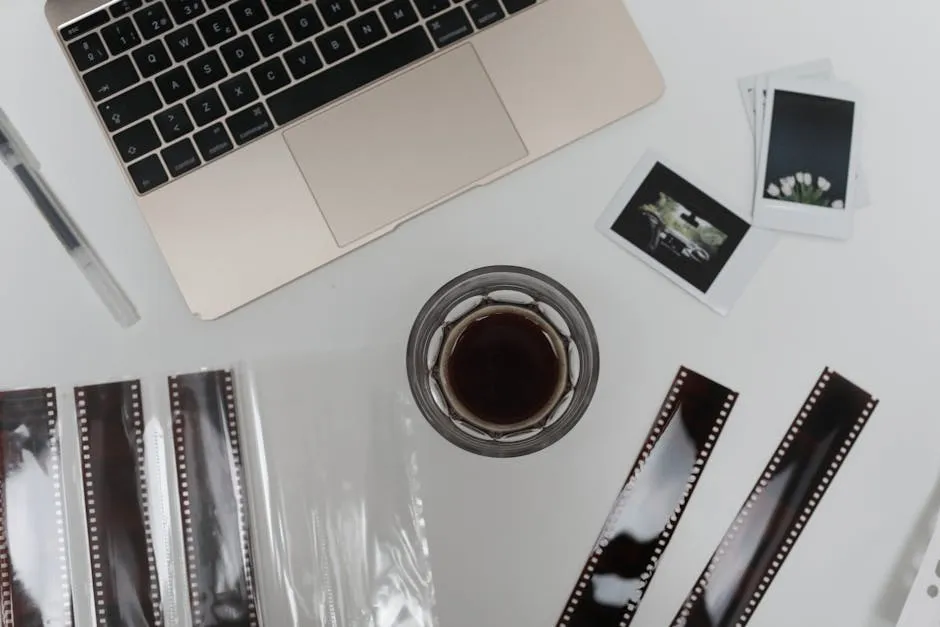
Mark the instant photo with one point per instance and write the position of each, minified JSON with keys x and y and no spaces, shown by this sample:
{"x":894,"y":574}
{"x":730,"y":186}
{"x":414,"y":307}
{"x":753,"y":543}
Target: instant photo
{"x":780,"y":506}
{"x":111,"y":432}
{"x":820,"y":70}
{"x":677,"y":228}
{"x":637,"y":532}
{"x":212,"y":500}
{"x":34,"y":582}
{"x":808,"y":158}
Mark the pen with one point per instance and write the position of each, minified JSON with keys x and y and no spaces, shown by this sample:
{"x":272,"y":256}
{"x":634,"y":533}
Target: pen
{"x":24,"y":166}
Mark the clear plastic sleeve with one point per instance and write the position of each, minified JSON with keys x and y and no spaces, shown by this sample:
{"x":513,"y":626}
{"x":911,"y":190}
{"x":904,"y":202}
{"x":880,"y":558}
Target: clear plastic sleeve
{"x":333,"y":483}
{"x":281,"y":493}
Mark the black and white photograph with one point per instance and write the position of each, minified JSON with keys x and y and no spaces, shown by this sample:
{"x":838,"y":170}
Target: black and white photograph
{"x":32,"y":511}
{"x":810,"y":148}
{"x":808,"y":158}
{"x":681,"y":230}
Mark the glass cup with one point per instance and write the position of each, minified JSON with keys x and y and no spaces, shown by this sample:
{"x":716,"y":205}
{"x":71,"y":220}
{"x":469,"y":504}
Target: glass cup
{"x":497,"y":303}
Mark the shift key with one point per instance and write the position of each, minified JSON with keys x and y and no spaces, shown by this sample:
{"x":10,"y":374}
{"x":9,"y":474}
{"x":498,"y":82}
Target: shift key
{"x":249,"y":124}
{"x":130,"y":106}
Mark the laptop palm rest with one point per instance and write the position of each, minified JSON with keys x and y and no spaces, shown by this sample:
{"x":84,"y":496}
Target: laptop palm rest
{"x":405,"y":144}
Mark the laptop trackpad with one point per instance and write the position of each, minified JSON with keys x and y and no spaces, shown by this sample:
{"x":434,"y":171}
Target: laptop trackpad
{"x":405,"y":144}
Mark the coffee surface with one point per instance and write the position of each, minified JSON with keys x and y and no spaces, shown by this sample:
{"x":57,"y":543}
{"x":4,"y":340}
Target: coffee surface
{"x":504,"y":368}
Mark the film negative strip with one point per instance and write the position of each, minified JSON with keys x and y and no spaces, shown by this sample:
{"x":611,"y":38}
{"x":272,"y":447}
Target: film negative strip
{"x":775,"y":513}
{"x":212,"y":500}
{"x":124,"y":575}
{"x":34,"y":580}
{"x":640,"y":526}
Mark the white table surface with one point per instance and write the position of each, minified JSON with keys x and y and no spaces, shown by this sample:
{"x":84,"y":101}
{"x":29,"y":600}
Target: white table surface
{"x":509,"y":537}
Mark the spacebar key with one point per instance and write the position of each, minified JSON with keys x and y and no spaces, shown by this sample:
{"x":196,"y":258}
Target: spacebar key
{"x":346,"y":77}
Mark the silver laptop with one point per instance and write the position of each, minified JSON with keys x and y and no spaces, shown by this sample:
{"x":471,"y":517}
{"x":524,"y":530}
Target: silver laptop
{"x":266,"y":138}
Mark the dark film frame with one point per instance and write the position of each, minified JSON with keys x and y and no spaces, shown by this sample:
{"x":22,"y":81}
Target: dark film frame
{"x":808,"y":458}
{"x":117,"y":512}
{"x":205,"y":427}
{"x":700,"y":408}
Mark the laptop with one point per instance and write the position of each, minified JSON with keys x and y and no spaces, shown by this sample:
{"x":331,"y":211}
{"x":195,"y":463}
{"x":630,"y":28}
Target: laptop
{"x":266,"y":138}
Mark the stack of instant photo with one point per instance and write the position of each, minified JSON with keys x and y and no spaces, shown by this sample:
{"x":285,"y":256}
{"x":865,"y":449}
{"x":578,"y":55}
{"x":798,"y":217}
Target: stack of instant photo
{"x":806,"y":140}
{"x":808,"y":181}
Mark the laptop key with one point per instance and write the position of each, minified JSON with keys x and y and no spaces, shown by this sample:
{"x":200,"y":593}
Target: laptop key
{"x":216,"y":27}
{"x":485,"y":12}
{"x":365,"y":5}
{"x":132,"y":105}
{"x":398,"y":15}
{"x":450,"y":27}
{"x":88,"y":52}
{"x":303,"y":60}
{"x":135,"y":142}
{"x":271,"y":38}
{"x":109,"y":79}
{"x":276,"y":7}
{"x":120,"y":36}
{"x":173,"y":123}
{"x":152,"y":58}
{"x":175,"y":85}
{"x":184,"y":43}
{"x":239,"y":53}
{"x":335,"y":11}
{"x":215,"y":4}
{"x":84,"y":25}
{"x":517,"y":5}
{"x":248,"y":14}
{"x":213,"y":142}
{"x":304,"y":22}
{"x":153,"y":20}
{"x":428,"y":8}
{"x":180,"y":158}
{"x":335,"y":44}
{"x":249,"y":124}
{"x":367,"y":30}
{"x":207,"y":69}
{"x":125,"y":6}
{"x":238,"y":92}
{"x":270,"y":76}
{"x":148,"y":174}
{"x":337,"y":81}
{"x":206,"y":107}
{"x":185,"y":10}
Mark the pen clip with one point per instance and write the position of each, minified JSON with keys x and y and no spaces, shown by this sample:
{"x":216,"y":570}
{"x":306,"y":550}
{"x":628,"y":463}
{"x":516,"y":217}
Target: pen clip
{"x":15,"y":144}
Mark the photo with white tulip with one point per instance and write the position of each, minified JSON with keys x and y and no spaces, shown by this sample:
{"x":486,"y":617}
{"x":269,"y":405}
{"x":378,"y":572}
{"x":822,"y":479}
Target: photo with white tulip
{"x":806,"y":189}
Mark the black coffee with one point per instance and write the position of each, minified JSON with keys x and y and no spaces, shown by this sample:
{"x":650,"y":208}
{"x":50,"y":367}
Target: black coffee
{"x":504,"y":368}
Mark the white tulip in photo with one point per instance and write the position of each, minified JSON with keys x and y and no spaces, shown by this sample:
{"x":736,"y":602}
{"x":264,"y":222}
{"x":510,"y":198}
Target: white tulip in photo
{"x":824,"y":185}
{"x":773,"y":190}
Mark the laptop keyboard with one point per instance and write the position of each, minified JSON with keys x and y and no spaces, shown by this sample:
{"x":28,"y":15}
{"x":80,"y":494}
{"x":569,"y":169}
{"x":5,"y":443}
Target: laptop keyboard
{"x":180,"y":83}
